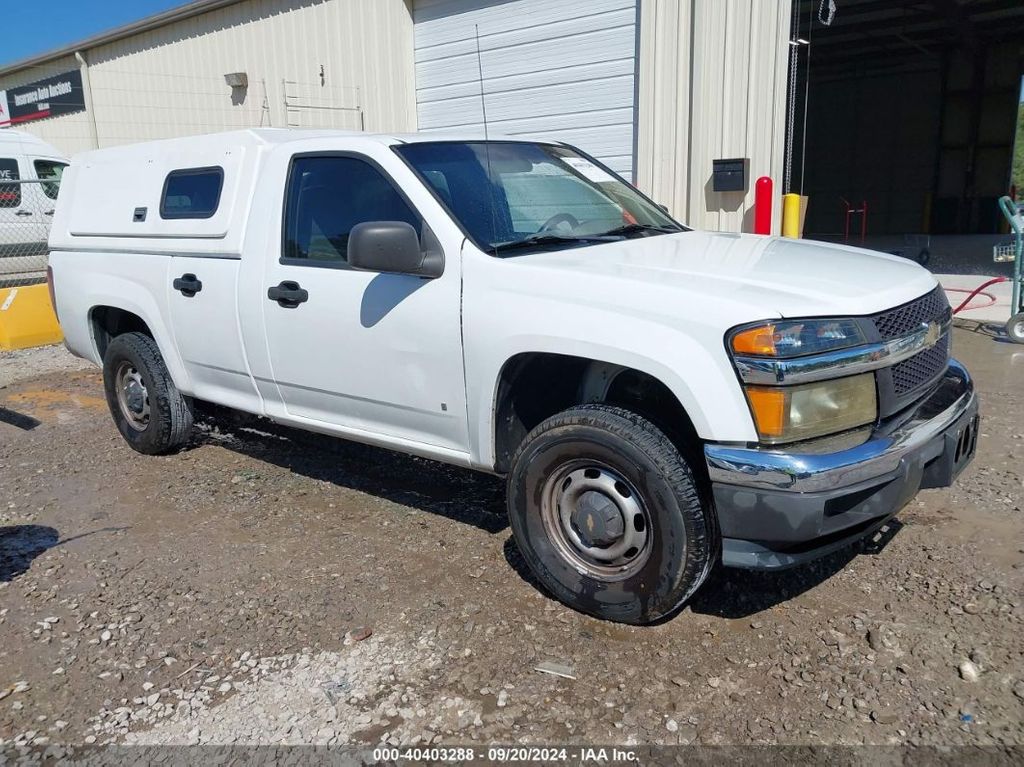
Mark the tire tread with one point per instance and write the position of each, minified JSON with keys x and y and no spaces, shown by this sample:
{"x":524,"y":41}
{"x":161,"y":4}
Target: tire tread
{"x":170,"y":412}
{"x":649,"y":439}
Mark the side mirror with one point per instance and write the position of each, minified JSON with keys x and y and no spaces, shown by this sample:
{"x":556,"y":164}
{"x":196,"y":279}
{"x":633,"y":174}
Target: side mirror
{"x":392,"y":247}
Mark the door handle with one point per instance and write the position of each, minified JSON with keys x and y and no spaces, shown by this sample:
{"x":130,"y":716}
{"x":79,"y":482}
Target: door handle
{"x":49,"y":212}
{"x":23,"y":213}
{"x":188,"y":284}
{"x":288,"y":294}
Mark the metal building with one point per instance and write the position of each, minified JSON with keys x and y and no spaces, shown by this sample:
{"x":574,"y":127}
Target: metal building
{"x":657,"y":89}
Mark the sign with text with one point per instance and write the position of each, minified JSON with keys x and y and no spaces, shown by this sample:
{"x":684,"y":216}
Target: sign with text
{"x":58,"y":95}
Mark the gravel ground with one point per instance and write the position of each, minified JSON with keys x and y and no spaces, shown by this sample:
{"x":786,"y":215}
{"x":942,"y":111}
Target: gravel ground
{"x":260,"y":588}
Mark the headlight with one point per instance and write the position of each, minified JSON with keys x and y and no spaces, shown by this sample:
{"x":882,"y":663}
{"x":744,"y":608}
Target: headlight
{"x":795,"y":338}
{"x":792,"y":413}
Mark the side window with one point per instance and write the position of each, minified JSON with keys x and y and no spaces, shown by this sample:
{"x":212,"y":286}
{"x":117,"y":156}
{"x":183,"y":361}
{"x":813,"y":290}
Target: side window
{"x":326,"y":197}
{"x":10,"y":194}
{"x":50,"y":171}
{"x":191,"y":193}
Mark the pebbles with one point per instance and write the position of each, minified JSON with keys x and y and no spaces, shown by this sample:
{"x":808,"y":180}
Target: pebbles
{"x":358,"y":634}
{"x":884,"y":716}
{"x":969,"y":671}
{"x":238,"y":606}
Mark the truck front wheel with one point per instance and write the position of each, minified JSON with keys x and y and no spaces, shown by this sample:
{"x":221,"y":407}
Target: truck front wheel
{"x":606,"y":513}
{"x":149,"y":411}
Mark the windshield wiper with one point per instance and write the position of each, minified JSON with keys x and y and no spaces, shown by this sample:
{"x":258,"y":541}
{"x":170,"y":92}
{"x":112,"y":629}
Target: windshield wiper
{"x":548,"y":239}
{"x":627,"y":229}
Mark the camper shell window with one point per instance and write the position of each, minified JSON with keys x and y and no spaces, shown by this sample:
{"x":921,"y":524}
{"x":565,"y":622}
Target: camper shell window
{"x":192,"y":193}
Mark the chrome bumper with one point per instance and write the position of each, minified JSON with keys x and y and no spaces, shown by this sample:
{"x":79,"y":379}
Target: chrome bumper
{"x":881,"y":455}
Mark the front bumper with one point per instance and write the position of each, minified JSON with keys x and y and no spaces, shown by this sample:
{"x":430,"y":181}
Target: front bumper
{"x":777,"y":509}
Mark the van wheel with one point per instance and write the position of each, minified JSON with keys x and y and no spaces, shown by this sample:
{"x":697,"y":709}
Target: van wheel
{"x":150,"y":412}
{"x":606,"y":513}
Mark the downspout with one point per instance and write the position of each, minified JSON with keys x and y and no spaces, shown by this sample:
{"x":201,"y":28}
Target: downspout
{"x":87,"y":93}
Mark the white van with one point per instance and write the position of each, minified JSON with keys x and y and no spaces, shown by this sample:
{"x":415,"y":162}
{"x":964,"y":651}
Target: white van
{"x":26,"y":209}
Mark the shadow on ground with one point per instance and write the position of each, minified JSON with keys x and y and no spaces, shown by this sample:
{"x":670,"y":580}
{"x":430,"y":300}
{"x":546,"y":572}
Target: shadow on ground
{"x":18,"y":420}
{"x":734,"y":594}
{"x":20,"y":544}
{"x":478,"y":499}
{"x":465,"y":496}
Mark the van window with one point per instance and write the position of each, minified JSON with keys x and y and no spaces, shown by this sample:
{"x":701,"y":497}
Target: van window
{"x":327,"y":196}
{"x":10,"y":194}
{"x":192,"y":193}
{"x":47,"y":170}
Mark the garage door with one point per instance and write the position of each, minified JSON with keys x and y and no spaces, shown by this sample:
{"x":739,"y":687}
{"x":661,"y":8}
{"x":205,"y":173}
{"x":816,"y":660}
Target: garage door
{"x":561,"y":70}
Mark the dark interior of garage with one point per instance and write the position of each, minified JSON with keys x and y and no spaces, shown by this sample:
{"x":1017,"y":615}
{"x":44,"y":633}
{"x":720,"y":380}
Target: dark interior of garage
{"x":906,"y":109}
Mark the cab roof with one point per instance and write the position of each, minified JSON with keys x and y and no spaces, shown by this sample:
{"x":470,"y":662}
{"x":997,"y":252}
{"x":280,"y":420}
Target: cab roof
{"x":269,"y":137}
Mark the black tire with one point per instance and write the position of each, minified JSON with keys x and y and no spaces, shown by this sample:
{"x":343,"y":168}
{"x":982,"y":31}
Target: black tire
{"x":166,"y":423}
{"x":1015,"y":328}
{"x":681,"y":538}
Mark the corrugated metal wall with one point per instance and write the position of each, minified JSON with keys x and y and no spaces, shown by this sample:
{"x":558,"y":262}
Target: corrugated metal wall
{"x":562,"y":70}
{"x":713,"y":79}
{"x":170,"y":81}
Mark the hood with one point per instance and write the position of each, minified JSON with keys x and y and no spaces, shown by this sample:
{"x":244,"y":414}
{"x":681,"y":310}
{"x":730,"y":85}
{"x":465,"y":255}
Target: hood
{"x":766,"y":276}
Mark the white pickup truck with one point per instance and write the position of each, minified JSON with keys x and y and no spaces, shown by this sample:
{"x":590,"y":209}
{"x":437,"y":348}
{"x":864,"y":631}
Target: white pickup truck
{"x":659,"y":399}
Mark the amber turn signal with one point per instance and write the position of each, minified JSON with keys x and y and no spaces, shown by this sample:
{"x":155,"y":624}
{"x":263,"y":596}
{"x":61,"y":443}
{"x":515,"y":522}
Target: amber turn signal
{"x":759,"y":340}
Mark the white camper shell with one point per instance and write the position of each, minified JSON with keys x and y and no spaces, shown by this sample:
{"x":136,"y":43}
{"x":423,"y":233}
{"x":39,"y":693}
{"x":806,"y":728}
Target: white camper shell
{"x":144,"y":185}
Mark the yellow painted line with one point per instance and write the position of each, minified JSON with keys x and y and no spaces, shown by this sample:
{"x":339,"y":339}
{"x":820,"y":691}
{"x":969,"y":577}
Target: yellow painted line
{"x":27,"y":318}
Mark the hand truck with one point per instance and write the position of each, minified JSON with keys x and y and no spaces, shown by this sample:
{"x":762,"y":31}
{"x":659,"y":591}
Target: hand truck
{"x":1013,"y":252}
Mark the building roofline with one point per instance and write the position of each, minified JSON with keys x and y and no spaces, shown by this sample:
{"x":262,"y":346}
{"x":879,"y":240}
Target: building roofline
{"x":186,"y":11}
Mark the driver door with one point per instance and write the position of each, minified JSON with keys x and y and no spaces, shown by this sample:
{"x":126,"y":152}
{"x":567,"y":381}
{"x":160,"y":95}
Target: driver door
{"x":371,"y":353}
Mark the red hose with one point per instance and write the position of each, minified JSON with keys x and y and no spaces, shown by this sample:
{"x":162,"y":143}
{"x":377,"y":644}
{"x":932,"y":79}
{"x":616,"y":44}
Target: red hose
{"x":975,"y":292}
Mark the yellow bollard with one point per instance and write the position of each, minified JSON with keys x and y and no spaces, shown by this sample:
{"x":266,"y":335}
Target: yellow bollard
{"x":27,"y":318}
{"x":791,"y":215}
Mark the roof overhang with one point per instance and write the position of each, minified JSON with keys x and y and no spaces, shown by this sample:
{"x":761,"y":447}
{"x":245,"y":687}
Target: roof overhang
{"x":186,"y":11}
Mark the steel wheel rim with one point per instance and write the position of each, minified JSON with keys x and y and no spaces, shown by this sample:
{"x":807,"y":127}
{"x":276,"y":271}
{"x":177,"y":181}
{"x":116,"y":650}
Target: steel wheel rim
{"x":1017,"y":328}
{"x":596,"y":520}
{"x":132,"y":396}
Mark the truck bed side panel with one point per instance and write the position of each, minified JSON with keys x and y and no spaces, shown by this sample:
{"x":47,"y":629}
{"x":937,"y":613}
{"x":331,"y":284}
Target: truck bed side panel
{"x":207,"y":334}
{"x":133,"y":282}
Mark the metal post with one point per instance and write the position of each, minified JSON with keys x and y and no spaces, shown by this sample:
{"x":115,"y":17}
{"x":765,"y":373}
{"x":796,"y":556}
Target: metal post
{"x":791,"y":215}
{"x":763,"y":206}
{"x":87,"y":97}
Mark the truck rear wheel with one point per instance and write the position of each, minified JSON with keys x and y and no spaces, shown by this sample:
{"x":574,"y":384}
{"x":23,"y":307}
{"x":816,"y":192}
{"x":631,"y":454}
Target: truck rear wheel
{"x":606,"y":513}
{"x":149,"y":411}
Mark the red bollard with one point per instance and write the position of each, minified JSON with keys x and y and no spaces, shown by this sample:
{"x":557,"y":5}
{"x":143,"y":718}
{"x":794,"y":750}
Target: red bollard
{"x":763,"y":206}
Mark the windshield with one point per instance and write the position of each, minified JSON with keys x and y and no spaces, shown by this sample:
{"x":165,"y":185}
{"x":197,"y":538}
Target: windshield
{"x":511,"y":196}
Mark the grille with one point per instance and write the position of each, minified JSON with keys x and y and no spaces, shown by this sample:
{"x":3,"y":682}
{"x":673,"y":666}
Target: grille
{"x":921,"y":368}
{"x":897,"y":322}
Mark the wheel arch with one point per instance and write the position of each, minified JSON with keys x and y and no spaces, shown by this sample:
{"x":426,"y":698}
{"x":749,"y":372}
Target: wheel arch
{"x":533,"y":386}
{"x":107,"y":321}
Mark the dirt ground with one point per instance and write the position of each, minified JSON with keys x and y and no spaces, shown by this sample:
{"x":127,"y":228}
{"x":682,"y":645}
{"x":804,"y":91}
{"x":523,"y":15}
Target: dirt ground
{"x":256,"y":588}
